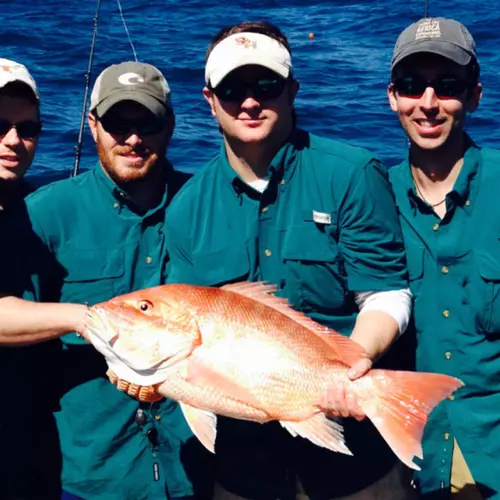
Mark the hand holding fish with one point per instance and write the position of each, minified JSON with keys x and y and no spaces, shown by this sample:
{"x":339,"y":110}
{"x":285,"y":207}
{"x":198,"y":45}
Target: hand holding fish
{"x":340,"y":400}
{"x":241,"y":352}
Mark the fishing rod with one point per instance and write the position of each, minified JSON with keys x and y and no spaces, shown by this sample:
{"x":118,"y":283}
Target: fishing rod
{"x":78,"y":147}
{"x":426,"y":13}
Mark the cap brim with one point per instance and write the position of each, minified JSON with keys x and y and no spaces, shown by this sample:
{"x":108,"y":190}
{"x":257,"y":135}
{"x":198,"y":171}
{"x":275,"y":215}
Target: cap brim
{"x":156,"y":107}
{"x":253,"y":58}
{"x":445,"y":49}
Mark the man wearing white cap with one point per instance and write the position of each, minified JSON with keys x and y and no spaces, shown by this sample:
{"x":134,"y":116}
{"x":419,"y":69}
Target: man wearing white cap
{"x":20,"y":127}
{"x":317,"y":219}
{"x":86,"y":240}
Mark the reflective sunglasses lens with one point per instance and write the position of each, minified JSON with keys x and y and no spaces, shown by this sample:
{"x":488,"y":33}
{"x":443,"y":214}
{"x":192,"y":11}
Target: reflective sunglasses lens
{"x":5,"y":126}
{"x":410,"y":86}
{"x":268,"y":88}
{"x":119,"y":126}
{"x":231,"y":91}
{"x":449,"y":86}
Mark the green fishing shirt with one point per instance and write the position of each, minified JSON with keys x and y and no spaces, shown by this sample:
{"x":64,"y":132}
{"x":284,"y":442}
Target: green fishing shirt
{"x":83,"y":240}
{"x":325,"y":227}
{"x":454,"y":270}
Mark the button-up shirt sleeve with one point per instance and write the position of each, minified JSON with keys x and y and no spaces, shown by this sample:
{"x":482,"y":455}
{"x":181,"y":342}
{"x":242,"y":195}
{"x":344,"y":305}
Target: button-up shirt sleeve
{"x":370,"y":234}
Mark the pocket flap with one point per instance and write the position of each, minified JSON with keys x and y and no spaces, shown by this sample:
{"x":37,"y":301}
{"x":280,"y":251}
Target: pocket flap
{"x":92,"y":265}
{"x":309,"y":243}
{"x":489,"y":265}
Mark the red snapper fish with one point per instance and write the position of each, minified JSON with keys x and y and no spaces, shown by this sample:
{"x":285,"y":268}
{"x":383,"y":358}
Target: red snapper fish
{"x":241,"y":352}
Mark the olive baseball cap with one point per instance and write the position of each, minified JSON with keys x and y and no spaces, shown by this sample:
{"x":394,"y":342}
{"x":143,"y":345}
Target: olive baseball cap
{"x":131,"y":81}
{"x":445,"y":37}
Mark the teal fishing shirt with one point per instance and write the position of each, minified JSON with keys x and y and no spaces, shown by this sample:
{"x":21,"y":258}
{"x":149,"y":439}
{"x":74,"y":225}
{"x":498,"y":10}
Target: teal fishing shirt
{"x":454,"y":271}
{"x":325,"y":227}
{"x":82,"y":240}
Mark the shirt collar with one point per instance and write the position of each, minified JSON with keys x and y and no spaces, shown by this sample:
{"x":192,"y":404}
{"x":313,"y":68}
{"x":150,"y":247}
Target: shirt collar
{"x":464,"y":190}
{"x":281,"y":168}
{"x":120,"y":200}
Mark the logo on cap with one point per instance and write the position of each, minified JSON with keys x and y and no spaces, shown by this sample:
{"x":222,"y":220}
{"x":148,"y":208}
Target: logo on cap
{"x":130,"y":79}
{"x":246,"y":42}
{"x":428,"y":29}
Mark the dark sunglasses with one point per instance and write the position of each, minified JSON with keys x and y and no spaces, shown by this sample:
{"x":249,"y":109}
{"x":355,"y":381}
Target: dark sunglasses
{"x":25,"y":130}
{"x":236,"y":90}
{"x":444,"y":86}
{"x":117,"y":125}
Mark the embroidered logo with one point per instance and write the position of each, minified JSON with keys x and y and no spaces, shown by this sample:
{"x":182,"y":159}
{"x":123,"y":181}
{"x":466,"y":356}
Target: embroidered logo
{"x":428,"y":29}
{"x":130,"y":79}
{"x":241,"y":40}
{"x":321,"y":218}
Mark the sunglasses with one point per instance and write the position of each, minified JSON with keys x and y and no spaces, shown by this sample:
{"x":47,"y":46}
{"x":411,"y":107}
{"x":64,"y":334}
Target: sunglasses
{"x":236,"y":91}
{"x":447,"y":86}
{"x":25,"y":130}
{"x":118,"y":125}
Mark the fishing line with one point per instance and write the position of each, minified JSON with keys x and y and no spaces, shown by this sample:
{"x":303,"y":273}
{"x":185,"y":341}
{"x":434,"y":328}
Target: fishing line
{"x":426,"y":8}
{"x":78,"y":147}
{"x":126,"y":29}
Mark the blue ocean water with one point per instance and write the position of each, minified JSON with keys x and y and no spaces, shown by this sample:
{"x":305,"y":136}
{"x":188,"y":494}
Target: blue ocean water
{"x":343,"y":69}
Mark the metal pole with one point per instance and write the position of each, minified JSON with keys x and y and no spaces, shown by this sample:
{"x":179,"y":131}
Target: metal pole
{"x":78,"y":147}
{"x":426,"y":8}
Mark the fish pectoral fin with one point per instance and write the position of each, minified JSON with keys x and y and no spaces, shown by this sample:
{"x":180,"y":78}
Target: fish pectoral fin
{"x":320,"y":431}
{"x":203,"y":424}
{"x":202,"y":374}
{"x":337,"y":346}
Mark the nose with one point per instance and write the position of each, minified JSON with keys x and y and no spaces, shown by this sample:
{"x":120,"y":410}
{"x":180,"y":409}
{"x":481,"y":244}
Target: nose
{"x":11,"y":138}
{"x":249,"y":102}
{"x":133,"y":139}
{"x":429,"y":99}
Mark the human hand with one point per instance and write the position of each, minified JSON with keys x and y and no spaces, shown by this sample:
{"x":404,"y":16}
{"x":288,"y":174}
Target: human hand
{"x":340,"y":400}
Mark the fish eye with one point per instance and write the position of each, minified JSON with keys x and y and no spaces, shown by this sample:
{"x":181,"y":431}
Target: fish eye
{"x":145,"y":305}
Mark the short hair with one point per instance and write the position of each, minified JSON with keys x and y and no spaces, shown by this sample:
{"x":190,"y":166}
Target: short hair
{"x":262,"y":27}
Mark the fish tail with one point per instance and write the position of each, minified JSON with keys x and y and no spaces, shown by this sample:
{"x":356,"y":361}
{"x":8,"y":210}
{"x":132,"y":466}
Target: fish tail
{"x":399,"y":404}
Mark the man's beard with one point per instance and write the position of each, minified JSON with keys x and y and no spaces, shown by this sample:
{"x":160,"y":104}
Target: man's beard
{"x":127,"y":175}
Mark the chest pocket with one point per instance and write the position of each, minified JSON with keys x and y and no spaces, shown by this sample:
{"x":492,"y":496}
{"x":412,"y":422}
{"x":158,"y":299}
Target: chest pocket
{"x":315,"y":276}
{"x":488,"y":296}
{"x":91,"y":275}
{"x":229,"y":265}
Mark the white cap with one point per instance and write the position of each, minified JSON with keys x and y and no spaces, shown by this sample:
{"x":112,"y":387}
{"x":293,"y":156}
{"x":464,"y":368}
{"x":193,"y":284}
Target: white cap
{"x":242,"y":49}
{"x":11,"y":71}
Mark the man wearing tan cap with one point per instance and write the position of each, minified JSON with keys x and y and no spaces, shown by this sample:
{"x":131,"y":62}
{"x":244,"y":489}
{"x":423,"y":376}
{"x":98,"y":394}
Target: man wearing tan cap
{"x":447,"y":193}
{"x":85,"y":240}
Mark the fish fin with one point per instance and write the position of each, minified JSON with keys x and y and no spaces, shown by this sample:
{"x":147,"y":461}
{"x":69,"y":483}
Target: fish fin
{"x":200,"y":374}
{"x":321,"y":431}
{"x":341,"y":348}
{"x":399,"y":404}
{"x":202,"y":423}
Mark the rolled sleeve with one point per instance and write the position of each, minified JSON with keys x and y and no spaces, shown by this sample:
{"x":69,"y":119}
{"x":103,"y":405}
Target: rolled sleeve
{"x":370,"y":234}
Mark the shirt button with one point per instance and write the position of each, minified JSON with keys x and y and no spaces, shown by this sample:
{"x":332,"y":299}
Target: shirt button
{"x":444,"y":270}
{"x":446,"y":436}
{"x":447,"y":355}
{"x":467,"y":203}
{"x":282,"y":181}
{"x":446,"y":313}
{"x":157,"y":418}
{"x":267,"y":252}
{"x":265,"y":209}
{"x":116,"y":205}
{"x":149,"y":260}
{"x":451,"y":397}
{"x":435,"y":227}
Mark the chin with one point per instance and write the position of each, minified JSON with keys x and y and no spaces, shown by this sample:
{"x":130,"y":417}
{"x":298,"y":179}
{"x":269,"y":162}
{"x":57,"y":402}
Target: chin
{"x":7,"y":174}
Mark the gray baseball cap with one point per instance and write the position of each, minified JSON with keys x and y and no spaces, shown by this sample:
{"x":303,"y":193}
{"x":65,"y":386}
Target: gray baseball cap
{"x":131,"y":81}
{"x":445,"y":37}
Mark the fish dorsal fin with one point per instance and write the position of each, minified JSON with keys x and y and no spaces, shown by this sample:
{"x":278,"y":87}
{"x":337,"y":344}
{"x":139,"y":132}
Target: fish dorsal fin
{"x":341,"y":348}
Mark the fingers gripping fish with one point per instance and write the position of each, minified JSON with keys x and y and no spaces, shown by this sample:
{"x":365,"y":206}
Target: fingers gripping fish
{"x":241,"y":352}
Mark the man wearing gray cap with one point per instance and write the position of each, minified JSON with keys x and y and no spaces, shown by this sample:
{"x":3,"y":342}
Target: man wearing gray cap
{"x":447,"y":194}
{"x":85,"y":240}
